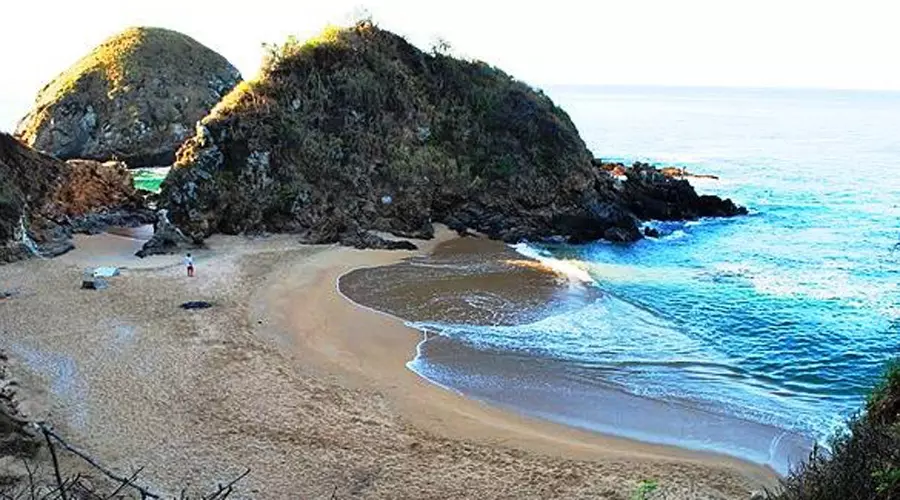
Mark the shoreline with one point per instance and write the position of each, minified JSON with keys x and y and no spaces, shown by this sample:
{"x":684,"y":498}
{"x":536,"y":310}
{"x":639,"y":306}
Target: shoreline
{"x":547,"y":389}
{"x":288,"y":378}
{"x":427,"y":403}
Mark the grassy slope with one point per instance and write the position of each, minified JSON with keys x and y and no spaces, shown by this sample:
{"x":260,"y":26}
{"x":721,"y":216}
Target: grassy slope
{"x":152,"y":75}
{"x":361,"y":109}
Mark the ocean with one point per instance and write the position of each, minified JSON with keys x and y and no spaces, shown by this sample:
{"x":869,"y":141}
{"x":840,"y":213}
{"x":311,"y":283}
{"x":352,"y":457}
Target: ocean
{"x":752,"y":336}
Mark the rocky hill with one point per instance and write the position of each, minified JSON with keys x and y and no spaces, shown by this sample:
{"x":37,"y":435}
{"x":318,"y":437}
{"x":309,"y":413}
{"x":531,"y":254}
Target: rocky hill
{"x":44,"y":200}
{"x":135,"y":98}
{"x":358,"y":130}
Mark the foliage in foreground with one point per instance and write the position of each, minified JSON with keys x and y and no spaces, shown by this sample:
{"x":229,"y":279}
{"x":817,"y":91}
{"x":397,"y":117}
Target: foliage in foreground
{"x":864,"y":461}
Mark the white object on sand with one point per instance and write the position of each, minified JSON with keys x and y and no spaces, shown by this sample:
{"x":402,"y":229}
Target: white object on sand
{"x":106,"y":272}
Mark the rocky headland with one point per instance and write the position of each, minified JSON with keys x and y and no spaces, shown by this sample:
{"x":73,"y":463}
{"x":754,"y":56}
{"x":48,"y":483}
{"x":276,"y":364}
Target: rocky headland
{"x":358,"y":131}
{"x":344,"y":138}
{"x":135,"y":99}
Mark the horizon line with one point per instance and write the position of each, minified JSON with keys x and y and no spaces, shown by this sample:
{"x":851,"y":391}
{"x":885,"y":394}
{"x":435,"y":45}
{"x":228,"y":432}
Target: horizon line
{"x":893,"y":90}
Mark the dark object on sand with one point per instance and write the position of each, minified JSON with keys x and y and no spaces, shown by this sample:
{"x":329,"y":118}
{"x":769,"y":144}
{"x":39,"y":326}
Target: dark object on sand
{"x":94,"y":284}
{"x":358,"y":238}
{"x":196,"y":304}
{"x":90,"y":281}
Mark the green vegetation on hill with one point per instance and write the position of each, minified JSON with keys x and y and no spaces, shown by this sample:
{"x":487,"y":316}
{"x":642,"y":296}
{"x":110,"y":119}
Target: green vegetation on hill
{"x":128,"y":56}
{"x":425,"y":113}
{"x":332,"y":126}
{"x":864,"y":461}
{"x":134,"y":98}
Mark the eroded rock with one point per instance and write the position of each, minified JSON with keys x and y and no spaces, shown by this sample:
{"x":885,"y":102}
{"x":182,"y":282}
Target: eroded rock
{"x":44,"y":200}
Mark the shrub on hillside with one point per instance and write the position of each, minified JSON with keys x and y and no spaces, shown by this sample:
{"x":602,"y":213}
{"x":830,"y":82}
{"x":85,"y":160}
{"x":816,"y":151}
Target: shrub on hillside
{"x":864,"y":461}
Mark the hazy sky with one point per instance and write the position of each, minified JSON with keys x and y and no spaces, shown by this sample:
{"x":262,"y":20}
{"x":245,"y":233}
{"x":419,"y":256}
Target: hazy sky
{"x":848,"y":44}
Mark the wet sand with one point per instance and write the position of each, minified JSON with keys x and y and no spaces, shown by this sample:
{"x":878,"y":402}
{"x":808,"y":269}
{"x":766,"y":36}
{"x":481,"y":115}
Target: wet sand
{"x":285,"y":376}
{"x":480,"y":282}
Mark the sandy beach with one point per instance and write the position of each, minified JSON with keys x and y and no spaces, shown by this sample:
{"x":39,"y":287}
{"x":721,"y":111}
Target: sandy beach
{"x":287,"y":377}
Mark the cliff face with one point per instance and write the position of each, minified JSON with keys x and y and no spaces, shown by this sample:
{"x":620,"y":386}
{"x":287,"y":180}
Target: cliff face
{"x":358,"y":130}
{"x":43,"y":200}
{"x":135,"y":98}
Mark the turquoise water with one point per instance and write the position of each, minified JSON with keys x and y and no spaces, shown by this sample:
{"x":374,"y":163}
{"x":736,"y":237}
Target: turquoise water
{"x":784,"y":317}
{"x":149,"y":179}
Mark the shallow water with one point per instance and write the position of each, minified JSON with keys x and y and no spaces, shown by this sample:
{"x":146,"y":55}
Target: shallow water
{"x":150,"y":179}
{"x":783,"y":318}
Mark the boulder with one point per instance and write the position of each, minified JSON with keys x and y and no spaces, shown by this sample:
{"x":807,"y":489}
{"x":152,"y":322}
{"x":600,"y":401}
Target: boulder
{"x":195,"y":304}
{"x":166,"y":238}
{"x":17,"y":438}
{"x":135,"y":98}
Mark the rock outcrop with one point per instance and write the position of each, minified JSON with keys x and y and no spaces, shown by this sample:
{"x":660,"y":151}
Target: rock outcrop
{"x":17,"y":438}
{"x":27,"y":182}
{"x":652,"y":193}
{"x":135,"y":98}
{"x":166,"y":238}
{"x":44,"y":200}
{"x":91,"y":196}
{"x":359,"y":131}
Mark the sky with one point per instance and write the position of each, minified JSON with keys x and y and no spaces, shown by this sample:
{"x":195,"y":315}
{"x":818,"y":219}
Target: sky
{"x":761,"y":43}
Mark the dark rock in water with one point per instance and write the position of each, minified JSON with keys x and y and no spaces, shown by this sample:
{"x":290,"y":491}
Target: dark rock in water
{"x":134,"y":98}
{"x":714,"y":206}
{"x":650,"y":194}
{"x":196,"y":304}
{"x":619,"y":234}
{"x":362,"y":130}
{"x":166,"y":238}
{"x":651,"y":232}
{"x":363,"y":239}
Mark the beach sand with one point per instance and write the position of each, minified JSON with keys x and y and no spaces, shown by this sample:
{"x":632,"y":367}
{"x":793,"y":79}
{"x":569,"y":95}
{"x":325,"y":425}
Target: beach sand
{"x":287,"y":377}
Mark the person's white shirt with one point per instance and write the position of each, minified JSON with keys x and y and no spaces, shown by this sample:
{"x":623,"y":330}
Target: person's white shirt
{"x":189,"y":261}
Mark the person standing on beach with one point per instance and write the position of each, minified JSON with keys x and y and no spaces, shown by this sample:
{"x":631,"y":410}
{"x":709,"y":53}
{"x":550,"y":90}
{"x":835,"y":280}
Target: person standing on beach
{"x":189,"y":262}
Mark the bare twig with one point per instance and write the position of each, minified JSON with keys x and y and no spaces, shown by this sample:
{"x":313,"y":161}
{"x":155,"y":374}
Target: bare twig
{"x":59,"y":481}
{"x":60,"y":490}
{"x":48,"y":432}
{"x":224,"y":491}
{"x":126,"y":483}
{"x":90,"y":491}
{"x":30,"y":479}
